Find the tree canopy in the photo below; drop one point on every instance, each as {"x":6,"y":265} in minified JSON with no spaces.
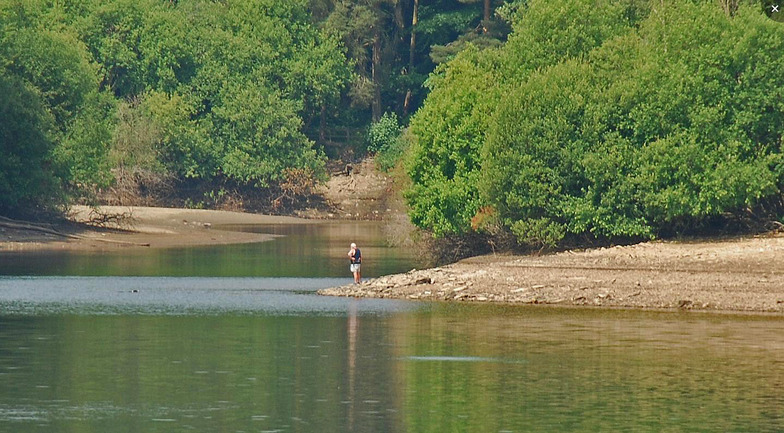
{"x":212,"y":91}
{"x":606,"y":120}
{"x":220,"y":94}
{"x":555,"y":122}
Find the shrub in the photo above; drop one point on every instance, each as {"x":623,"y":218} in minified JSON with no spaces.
{"x":384,"y":133}
{"x":663,"y":131}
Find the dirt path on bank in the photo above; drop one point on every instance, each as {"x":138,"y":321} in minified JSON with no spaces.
{"x":357,"y":191}
{"x":742,"y":274}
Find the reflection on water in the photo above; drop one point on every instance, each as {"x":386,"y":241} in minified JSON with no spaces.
{"x":175,"y":296}
{"x":305,"y":250}
{"x":242,"y":351}
{"x":457,"y":359}
{"x":577,"y":370}
{"x":367,"y":366}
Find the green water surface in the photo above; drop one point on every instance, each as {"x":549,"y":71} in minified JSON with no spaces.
{"x":435,"y":369}
{"x":234,"y":339}
{"x":303,"y":250}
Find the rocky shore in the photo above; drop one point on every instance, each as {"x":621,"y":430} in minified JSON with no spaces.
{"x":741,"y":275}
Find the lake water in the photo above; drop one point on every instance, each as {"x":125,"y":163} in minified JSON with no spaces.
{"x":227,"y":340}
{"x":304,"y":250}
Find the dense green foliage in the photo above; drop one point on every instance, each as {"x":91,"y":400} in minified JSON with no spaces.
{"x":49,"y":86}
{"x":229,"y":84}
{"x":553,"y":121}
{"x":131,"y":95}
{"x":205,"y":90}
{"x":383,"y":133}
{"x":619,"y":122}
{"x":452,"y":126}
{"x":26,"y":140}
{"x":385,"y":138}
{"x":394,"y":44}
{"x":444,"y":162}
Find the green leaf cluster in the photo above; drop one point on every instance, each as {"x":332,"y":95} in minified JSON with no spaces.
{"x":52,"y":120}
{"x":382,"y":134}
{"x":444,"y":161}
{"x":388,"y":140}
{"x":607,"y":120}
{"x":214,"y":91}
{"x":233,"y":82}
{"x":26,"y":141}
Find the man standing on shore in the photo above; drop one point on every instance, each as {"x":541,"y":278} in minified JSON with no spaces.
{"x":356,"y":260}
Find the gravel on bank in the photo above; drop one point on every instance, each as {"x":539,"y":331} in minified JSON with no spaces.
{"x":741,"y":274}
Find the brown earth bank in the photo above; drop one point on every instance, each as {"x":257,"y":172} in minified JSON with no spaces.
{"x":355,"y":191}
{"x":731,"y":275}
{"x":136,"y":226}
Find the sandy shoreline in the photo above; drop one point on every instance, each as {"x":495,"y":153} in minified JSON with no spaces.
{"x":738,"y":275}
{"x":145,"y":227}
{"x":733,"y":275}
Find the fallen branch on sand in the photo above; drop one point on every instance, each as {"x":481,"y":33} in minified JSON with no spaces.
{"x":24,"y":225}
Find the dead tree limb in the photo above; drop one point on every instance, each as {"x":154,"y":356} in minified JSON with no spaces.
{"x":23,"y":225}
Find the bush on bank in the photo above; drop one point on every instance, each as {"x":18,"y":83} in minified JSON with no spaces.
{"x":655,"y":120}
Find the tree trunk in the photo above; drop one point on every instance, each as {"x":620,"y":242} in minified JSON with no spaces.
{"x":729,"y":6}
{"x":376,"y":76}
{"x":323,"y":125}
{"x":412,"y":46}
{"x":411,"y":55}
{"x":400,"y":20}
{"x":488,"y":7}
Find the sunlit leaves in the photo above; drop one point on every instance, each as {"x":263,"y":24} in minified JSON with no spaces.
{"x":654,"y":132}
{"x":196,"y":89}
{"x":450,"y":129}
{"x":606,"y":120}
